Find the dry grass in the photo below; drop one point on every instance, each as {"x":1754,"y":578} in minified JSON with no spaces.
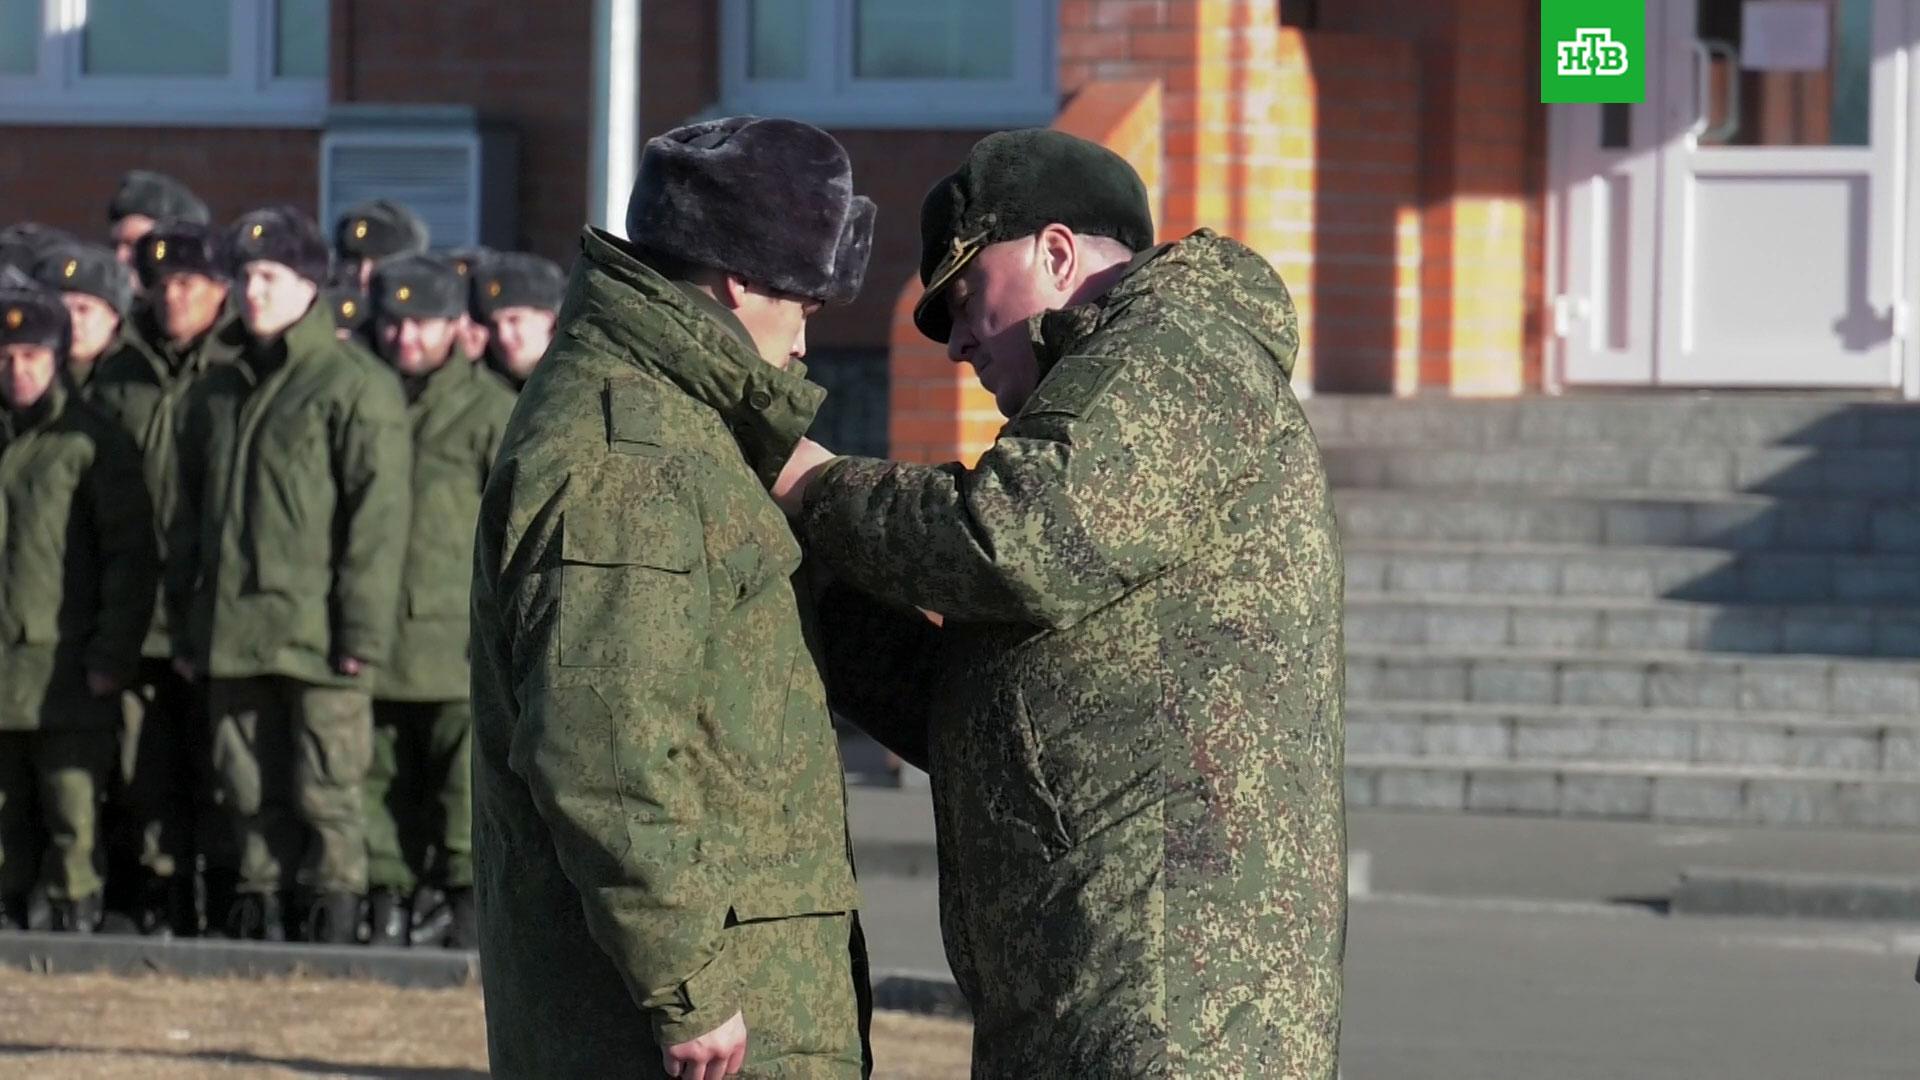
{"x":164,"y":1028}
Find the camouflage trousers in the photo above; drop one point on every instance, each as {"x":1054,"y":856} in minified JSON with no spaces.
{"x":419,"y":795}
{"x":291,"y":758}
{"x":806,"y":998}
{"x":51,"y":783}
{"x":161,"y":806}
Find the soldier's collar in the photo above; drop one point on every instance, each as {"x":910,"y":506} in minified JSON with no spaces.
{"x":42,"y":412}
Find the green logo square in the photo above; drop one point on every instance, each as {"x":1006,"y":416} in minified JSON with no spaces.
{"x":1593,"y":51}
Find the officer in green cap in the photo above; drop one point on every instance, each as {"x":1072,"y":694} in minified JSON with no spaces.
{"x":470,"y":263}
{"x":373,"y":230}
{"x":165,"y":817}
{"x":77,"y":571}
{"x":660,"y":844}
{"x":419,"y":788}
{"x":98,"y":293}
{"x":1132,"y":710}
{"x":283,"y":579}
{"x":143,"y":200}
{"x":519,"y":298}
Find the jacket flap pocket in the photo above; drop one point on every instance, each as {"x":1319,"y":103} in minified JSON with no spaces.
{"x":617,"y":536}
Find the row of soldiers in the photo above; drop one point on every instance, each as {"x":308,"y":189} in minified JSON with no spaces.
{"x":239,"y":473}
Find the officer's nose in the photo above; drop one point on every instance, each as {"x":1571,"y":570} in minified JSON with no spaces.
{"x":960,"y":344}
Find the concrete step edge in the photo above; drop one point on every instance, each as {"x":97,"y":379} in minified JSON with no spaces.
{"x":1651,"y":658}
{"x":1653,"y":769}
{"x":1582,"y":714}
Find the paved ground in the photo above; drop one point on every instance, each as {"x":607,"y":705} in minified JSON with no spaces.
{"x":1488,"y":950}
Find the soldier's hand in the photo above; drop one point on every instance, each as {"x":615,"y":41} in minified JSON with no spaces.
{"x":100,"y":684}
{"x":184,"y":668}
{"x":790,"y":490}
{"x":714,"y":1056}
{"x":349,"y":666}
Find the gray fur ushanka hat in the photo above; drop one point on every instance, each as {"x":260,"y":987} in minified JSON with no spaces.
{"x":768,"y":199}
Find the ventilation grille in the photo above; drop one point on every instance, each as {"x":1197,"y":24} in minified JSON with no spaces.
{"x":437,"y":177}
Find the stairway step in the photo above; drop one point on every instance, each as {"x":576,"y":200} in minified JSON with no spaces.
{"x":1636,"y":519}
{"x":1546,"y":734}
{"x":1633,"y":680}
{"x":1605,"y":625}
{"x":1637,"y":791}
{"x":1883,"y":472}
{"x":1619,"y":420}
{"x":1674,"y":573}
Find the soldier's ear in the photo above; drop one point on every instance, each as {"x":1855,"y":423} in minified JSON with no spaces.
{"x":1059,"y":256}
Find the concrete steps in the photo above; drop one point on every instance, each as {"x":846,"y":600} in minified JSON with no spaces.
{"x":1604,"y":625}
{"x":1619,"y":420}
{"x":1882,"y":472}
{"x":1630,"y":519}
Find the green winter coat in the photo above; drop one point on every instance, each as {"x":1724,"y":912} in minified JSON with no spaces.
{"x":78,"y":568}
{"x":141,"y":386}
{"x":653,"y":758}
{"x":457,"y":419}
{"x":1133,"y":712}
{"x":286,"y":547}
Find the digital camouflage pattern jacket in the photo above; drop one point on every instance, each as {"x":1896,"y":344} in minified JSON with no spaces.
{"x":141,"y":386}
{"x":286,"y":544}
{"x":653,"y":758}
{"x":77,"y":565}
{"x":1133,"y":712}
{"x":458,"y":419}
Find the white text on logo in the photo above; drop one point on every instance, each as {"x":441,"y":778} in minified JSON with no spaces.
{"x":1592,"y":52}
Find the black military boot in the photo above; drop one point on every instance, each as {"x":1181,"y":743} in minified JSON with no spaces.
{"x":256,"y":917}
{"x":13,"y":912}
{"x":386,"y":919}
{"x":222,"y":892}
{"x":465,"y":932}
{"x":181,"y":918}
{"x":333,"y":918}
{"x":80,"y":916}
{"x":432,"y":918}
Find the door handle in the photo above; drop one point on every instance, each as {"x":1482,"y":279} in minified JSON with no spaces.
{"x":1703,"y":130}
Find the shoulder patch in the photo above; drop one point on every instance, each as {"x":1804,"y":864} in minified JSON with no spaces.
{"x":632,"y":426}
{"x":1074,"y":385}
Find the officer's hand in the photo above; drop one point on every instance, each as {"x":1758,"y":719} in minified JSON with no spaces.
{"x":714,"y":1056}
{"x":790,"y":490}
{"x":348,"y":666}
{"x":184,"y":668}
{"x":100,"y":684}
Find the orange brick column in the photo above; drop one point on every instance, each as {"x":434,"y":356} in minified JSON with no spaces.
{"x":937,"y":412}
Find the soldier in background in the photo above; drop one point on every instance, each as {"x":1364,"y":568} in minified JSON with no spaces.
{"x":470,"y":263}
{"x":24,"y":243}
{"x":1132,"y":710}
{"x":373,"y":230}
{"x":283,"y":576}
{"x":77,"y":571}
{"x":347,"y":299}
{"x":519,"y":299}
{"x":98,"y":295}
{"x":143,"y":200}
{"x":165,"y":817}
{"x":419,"y":787}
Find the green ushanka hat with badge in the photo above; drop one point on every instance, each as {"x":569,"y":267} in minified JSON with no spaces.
{"x":180,"y":247}
{"x":31,"y":314}
{"x":1013,"y":184}
{"x":418,"y":287}
{"x":89,"y":269}
{"x":519,"y":279}
{"x":379,"y":229}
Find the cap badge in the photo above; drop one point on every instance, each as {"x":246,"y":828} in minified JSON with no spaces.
{"x":493,"y":288}
{"x":348,"y":307}
{"x":159,"y":251}
{"x":403,"y":293}
{"x":14,"y":318}
{"x":258,"y":230}
{"x":73,"y":267}
{"x":360,"y":230}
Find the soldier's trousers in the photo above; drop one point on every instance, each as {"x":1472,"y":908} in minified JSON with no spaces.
{"x":291,"y":758}
{"x":419,"y":795}
{"x":163,"y":804}
{"x":51,"y":784}
{"x":806,"y":996}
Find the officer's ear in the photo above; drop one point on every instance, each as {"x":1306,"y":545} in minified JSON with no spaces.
{"x":1058,"y":255}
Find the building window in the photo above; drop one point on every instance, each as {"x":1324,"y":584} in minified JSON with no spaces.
{"x":170,"y":62}
{"x":892,"y":63}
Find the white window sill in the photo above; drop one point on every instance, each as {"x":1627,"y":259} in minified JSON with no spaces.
{"x":170,"y":110}
{"x":936,"y":113}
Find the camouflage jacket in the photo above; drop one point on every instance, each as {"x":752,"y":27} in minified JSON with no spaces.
{"x":1133,"y":712}
{"x":78,"y":567}
{"x":286,"y":544}
{"x":653,"y":758}
{"x":458,"y":419}
{"x":141,"y":385}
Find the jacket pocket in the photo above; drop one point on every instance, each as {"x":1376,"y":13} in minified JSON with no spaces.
{"x":628,"y":592}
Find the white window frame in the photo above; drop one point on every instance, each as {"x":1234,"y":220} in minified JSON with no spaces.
{"x":830,"y":96}
{"x":250,"y":95}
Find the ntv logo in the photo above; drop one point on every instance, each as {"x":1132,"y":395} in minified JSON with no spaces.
{"x":1592,"y":52}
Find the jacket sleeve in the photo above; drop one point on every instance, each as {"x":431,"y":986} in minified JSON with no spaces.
{"x":181,"y":574}
{"x":614,"y":742}
{"x":129,"y":558}
{"x":1106,"y":479}
{"x":373,"y":466}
